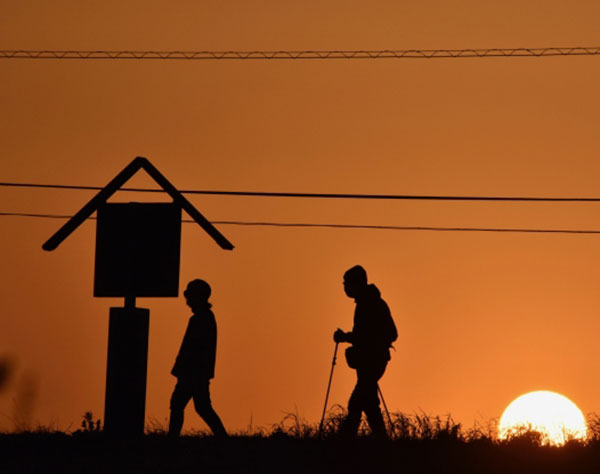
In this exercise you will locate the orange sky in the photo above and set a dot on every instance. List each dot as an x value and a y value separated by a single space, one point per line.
482 318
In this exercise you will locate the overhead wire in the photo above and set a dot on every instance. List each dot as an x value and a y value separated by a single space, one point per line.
316 54
343 226
300 54
410 197
330 196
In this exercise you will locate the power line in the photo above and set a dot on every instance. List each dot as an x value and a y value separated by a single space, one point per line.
303 54
410 197
345 226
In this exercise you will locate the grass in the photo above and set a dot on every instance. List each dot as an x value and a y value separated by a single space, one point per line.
419 443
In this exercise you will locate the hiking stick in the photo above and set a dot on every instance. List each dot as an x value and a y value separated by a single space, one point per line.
386 409
328 388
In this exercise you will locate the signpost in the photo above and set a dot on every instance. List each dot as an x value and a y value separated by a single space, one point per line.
137 255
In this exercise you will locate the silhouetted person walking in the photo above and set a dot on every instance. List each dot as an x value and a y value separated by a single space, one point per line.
371 338
195 363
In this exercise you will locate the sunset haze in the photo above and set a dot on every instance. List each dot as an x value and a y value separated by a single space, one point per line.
482 317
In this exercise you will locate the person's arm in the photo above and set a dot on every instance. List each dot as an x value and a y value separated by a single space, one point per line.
182 355
391 330
212 348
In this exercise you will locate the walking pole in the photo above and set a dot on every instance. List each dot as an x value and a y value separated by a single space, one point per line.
386 409
328 388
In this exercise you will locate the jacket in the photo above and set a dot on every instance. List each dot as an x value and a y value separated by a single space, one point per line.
197 354
374 330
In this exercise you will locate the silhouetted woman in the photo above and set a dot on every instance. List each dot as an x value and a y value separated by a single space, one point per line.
195 363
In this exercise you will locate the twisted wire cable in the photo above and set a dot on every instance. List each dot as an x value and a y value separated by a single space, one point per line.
305 54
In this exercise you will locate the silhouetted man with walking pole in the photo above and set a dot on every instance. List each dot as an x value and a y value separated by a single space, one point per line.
371 337
195 363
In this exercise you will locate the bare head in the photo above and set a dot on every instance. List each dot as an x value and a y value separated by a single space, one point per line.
355 281
197 293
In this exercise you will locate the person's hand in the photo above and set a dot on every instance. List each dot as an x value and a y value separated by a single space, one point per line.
339 336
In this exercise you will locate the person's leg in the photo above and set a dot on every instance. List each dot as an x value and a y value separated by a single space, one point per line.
355 407
375 418
204 408
181 396
371 400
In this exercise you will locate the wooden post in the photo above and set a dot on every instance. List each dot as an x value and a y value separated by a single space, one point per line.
126 371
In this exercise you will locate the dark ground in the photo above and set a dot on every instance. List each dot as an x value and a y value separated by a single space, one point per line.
94 453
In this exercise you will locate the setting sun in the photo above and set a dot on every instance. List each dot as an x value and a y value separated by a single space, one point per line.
554 416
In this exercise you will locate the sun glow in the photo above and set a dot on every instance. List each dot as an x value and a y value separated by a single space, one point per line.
554 416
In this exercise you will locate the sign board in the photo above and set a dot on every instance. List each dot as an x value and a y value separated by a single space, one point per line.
137 254
137 249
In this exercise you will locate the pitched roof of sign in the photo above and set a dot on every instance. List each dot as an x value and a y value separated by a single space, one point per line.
114 185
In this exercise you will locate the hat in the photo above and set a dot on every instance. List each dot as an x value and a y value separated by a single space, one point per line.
197 288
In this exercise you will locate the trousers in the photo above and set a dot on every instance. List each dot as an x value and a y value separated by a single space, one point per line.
365 398
188 388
